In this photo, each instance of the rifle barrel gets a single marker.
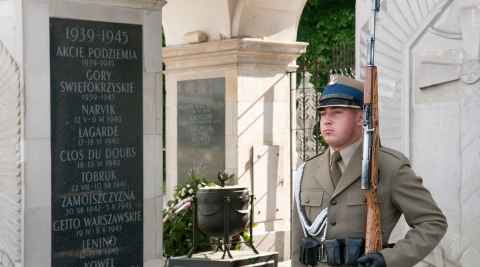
(371, 39)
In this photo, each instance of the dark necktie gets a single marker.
(335, 171)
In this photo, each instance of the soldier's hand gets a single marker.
(372, 260)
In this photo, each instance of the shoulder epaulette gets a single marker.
(394, 153)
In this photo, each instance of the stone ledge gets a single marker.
(214, 259)
(232, 52)
(136, 4)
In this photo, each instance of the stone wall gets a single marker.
(11, 162)
(427, 54)
(24, 30)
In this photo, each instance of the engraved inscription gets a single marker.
(97, 176)
(201, 128)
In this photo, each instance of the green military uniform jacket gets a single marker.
(400, 191)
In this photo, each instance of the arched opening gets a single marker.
(329, 28)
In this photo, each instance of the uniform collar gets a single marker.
(351, 174)
(347, 153)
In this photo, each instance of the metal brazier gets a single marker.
(222, 210)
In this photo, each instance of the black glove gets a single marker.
(309, 251)
(372, 260)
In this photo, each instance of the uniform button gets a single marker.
(307, 201)
(333, 223)
(334, 202)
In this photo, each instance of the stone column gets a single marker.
(257, 107)
(29, 211)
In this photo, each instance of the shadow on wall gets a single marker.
(262, 116)
(266, 156)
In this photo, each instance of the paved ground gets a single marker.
(280, 264)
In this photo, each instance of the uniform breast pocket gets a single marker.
(313, 202)
(356, 212)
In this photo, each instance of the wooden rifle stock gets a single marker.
(373, 231)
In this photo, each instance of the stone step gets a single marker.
(214, 259)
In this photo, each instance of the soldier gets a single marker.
(330, 185)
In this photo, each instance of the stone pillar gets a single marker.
(257, 107)
(28, 211)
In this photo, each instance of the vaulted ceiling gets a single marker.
(220, 19)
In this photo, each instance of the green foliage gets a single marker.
(177, 227)
(325, 24)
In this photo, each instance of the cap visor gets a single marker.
(338, 106)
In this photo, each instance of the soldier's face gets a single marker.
(340, 127)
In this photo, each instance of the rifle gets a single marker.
(371, 144)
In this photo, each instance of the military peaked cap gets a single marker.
(342, 92)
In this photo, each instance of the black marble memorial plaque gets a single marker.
(201, 128)
(97, 145)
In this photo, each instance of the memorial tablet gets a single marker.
(201, 128)
(97, 145)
